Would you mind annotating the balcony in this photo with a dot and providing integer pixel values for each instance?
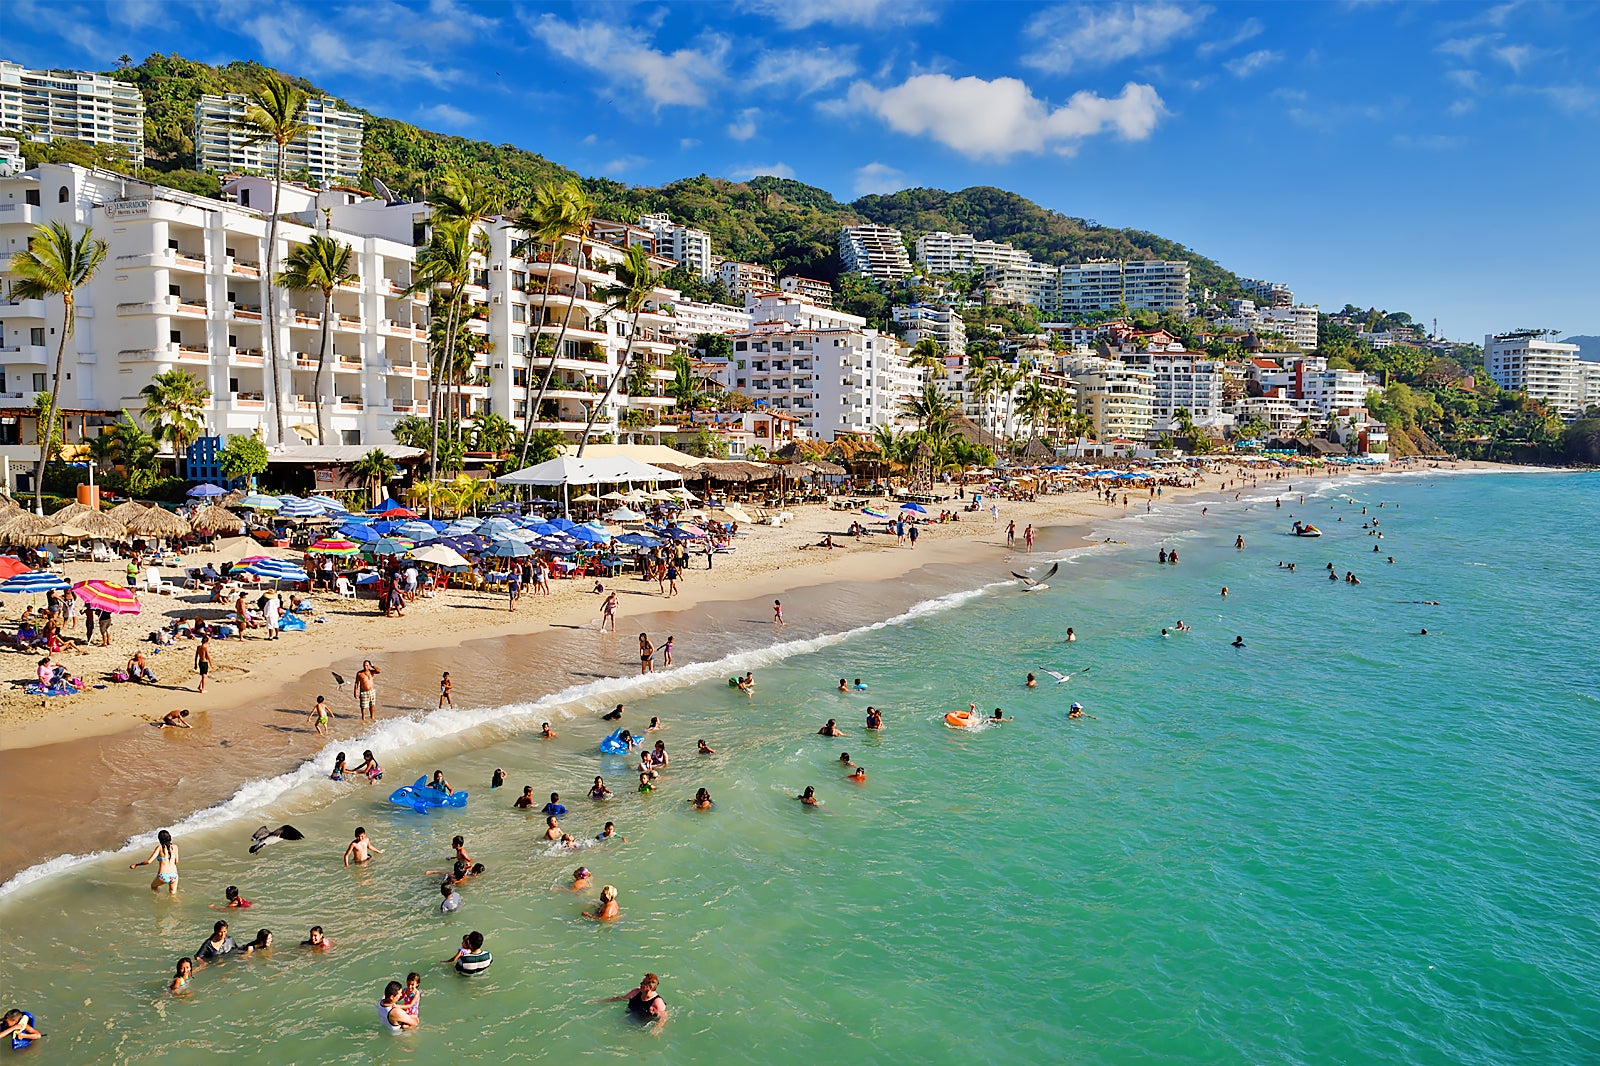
(243, 268)
(166, 353)
(22, 309)
(245, 356)
(18, 354)
(22, 214)
(302, 320)
(245, 312)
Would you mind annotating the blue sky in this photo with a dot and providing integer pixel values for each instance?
(1439, 158)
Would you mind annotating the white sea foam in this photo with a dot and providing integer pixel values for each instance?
(398, 738)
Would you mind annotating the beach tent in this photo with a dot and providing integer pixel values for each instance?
(566, 470)
(391, 504)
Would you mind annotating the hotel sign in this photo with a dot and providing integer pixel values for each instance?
(127, 208)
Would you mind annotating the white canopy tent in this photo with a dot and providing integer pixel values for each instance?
(566, 471)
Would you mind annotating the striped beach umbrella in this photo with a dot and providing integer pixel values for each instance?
(278, 570)
(33, 581)
(257, 502)
(505, 548)
(107, 596)
(330, 505)
(292, 508)
(873, 512)
(417, 530)
(390, 546)
(494, 527)
(335, 547)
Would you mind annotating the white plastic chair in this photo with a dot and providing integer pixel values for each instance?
(345, 589)
(153, 582)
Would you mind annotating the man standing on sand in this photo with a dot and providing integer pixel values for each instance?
(202, 660)
(366, 690)
(1011, 534)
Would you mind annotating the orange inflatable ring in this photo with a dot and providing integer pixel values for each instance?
(961, 719)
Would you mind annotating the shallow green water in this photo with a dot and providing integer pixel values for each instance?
(1344, 843)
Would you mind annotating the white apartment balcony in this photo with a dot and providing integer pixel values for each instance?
(402, 329)
(22, 309)
(25, 399)
(21, 214)
(244, 312)
(172, 352)
(242, 268)
(165, 305)
(303, 320)
(246, 357)
(163, 257)
(349, 324)
(21, 354)
(574, 333)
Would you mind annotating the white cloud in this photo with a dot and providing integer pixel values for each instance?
(1572, 98)
(315, 43)
(744, 127)
(802, 71)
(1247, 29)
(1000, 118)
(1465, 47)
(613, 167)
(1099, 35)
(1467, 79)
(878, 178)
(1514, 56)
(1461, 107)
(798, 14)
(446, 115)
(1432, 142)
(756, 170)
(628, 60)
(686, 143)
(1247, 65)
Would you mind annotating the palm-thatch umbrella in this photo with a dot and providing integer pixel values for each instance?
(23, 525)
(216, 519)
(9, 508)
(84, 524)
(126, 512)
(158, 522)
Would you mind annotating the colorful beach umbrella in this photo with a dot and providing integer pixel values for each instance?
(257, 502)
(397, 512)
(390, 546)
(335, 547)
(417, 531)
(206, 492)
(278, 570)
(33, 581)
(107, 596)
(11, 566)
(300, 509)
(873, 512)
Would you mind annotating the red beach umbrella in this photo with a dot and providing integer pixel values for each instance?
(107, 596)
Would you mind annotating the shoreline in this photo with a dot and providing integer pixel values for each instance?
(257, 733)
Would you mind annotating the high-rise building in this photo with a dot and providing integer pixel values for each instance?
(1181, 380)
(1101, 285)
(182, 288)
(1269, 293)
(1116, 398)
(76, 104)
(329, 152)
(874, 252)
(942, 325)
(745, 280)
(960, 253)
(823, 367)
(818, 292)
(1022, 283)
(1546, 370)
(690, 247)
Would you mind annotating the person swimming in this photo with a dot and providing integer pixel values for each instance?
(809, 796)
(831, 729)
(1032, 682)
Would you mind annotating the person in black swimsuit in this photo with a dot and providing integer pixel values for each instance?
(643, 1002)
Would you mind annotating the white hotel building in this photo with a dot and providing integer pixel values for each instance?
(74, 104)
(1101, 285)
(959, 253)
(942, 325)
(1182, 380)
(182, 288)
(822, 366)
(1116, 398)
(330, 151)
(874, 252)
(1546, 370)
(689, 246)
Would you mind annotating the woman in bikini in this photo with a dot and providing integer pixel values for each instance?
(165, 856)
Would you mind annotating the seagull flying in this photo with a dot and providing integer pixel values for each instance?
(1031, 581)
(265, 836)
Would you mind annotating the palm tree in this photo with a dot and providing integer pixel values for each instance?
(985, 383)
(444, 267)
(493, 434)
(1035, 406)
(459, 203)
(174, 406)
(375, 468)
(1008, 386)
(320, 265)
(275, 112)
(55, 263)
(636, 280)
(561, 213)
(927, 355)
(685, 390)
(929, 408)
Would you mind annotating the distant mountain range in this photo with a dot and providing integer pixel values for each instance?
(785, 224)
(1588, 347)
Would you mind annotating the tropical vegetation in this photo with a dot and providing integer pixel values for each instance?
(321, 265)
(174, 408)
(55, 263)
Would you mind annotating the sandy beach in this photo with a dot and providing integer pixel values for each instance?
(94, 770)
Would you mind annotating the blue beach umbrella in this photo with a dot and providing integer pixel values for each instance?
(390, 546)
(542, 529)
(415, 531)
(296, 508)
(494, 527)
(278, 570)
(638, 540)
(914, 507)
(257, 502)
(386, 505)
(361, 534)
(562, 524)
(33, 581)
(207, 491)
(508, 549)
(589, 535)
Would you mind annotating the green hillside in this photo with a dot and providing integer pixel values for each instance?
(785, 224)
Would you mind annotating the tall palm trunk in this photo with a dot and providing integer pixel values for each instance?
(533, 354)
(322, 360)
(442, 394)
(627, 358)
(55, 407)
(275, 372)
(555, 351)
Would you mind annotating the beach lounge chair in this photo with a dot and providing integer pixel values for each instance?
(344, 588)
(153, 582)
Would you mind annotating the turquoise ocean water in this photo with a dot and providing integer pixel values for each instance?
(1344, 843)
